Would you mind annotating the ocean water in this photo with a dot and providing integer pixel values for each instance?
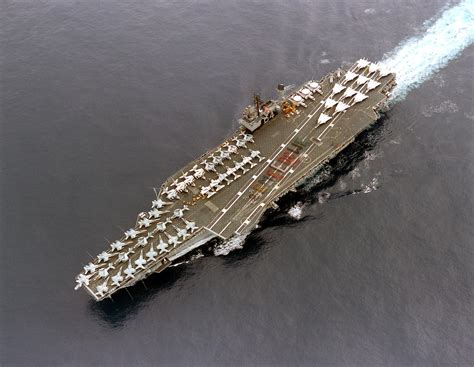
(371, 263)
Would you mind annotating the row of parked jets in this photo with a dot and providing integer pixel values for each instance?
(231, 173)
(209, 164)
(375, 71)
(99, 269)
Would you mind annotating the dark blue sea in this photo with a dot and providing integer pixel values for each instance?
(102, 100)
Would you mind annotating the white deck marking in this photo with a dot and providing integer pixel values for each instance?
(217, 234)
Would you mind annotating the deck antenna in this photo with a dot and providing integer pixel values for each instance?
(92, 257)
(257, 100)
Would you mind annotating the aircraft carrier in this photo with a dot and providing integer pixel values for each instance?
(225, 191)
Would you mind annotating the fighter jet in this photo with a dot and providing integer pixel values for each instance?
(194, 169)
(256, 154)
(151, 255)
(205, 190)
(210, 167)
(248, 160)
(349, 92)
(155, 213)
(214, 183)
(216, 160)
(104, 273)
(90, 268)
(130, 270)
(337, 88)
(158, 203)
(373, 68)
(372, 84)
(102, 289)
(178, 213)
(189, 180)
(123, 257)
(172, 240)
(224, 154)
(82, 280)
(362, 63)
(142, 241)
(145, 222)
(232, 171)
(349, 76)
(181, 187)
(190, 226)
(361, 80)
(131, 233)
(383, 72)
(161, 226)
(232, 149)
(247, 138)
(162, 246)
(181, 232)
(103, 256)
(140, 262)
(223, 177)
(199, 173)
(359, 97)
(240, 165)
(341, 106)
(172, 194)
(117, 278)
(117, 245)
(240, 143)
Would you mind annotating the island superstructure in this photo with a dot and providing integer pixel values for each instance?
(225, 192)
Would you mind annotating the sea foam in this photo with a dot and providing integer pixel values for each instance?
(416, 59)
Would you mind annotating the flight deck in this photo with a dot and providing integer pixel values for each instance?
(226, 191)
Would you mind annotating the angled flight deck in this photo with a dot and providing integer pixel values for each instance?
(226, 191)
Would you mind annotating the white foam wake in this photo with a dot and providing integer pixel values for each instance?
(417, 58)
(296, 211)
(233, 243)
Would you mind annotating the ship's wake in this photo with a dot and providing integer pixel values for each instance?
(418, 58)
(225, 247)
